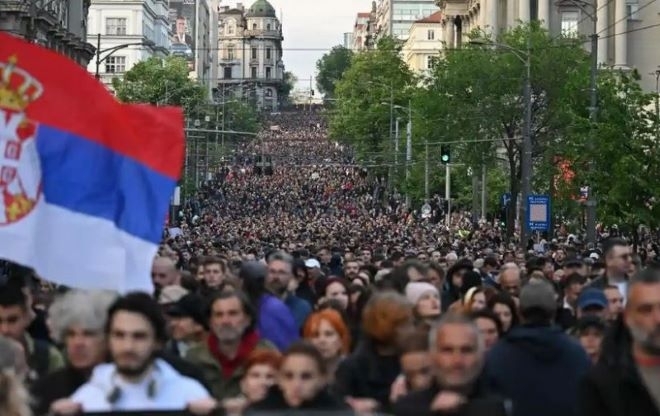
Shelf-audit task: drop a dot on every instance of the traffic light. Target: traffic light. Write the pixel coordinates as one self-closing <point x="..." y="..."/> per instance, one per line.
<point x="445" y="154"/>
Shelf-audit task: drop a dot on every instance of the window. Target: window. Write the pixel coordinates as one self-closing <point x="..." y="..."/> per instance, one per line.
<point x="430" y="34"/>
<point x="569" y="24"/>
<point x="268" y="52"/>
<point x="254" y="26"/>
<point x="632" y="9"/>
<point x="230" y="52"/>
<point x="227" y="72"/>
<point x="230" y="29"/>
<point x="268" y="72"/>
<point x="268" y="26"/>
<point x="115" y="26"/>
<point x="430" y="61"/>
<point x="254" y="53"/>
<point x="253" y="71"/>
<point x="115" y="64"/>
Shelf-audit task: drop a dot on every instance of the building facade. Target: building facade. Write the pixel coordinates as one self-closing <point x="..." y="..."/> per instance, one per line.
<point x="361" y="31"/>
<point x="250" y="53"/>
<point x="395" y="17"/>
<point x="424" y="43"/>
<point x="60" y="25"/>
<point x="348" y="40"/>
<point x="142" y="23"/>
<point x="629" y="32"/>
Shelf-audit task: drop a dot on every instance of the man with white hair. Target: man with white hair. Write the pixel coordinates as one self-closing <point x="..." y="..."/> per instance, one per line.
<point x="77" y="321"/>
<point x="451" y="258"/>
<point x="457" y="351"/>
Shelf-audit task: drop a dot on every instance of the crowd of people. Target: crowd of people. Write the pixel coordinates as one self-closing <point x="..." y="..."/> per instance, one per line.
<point x="310" y="290"/>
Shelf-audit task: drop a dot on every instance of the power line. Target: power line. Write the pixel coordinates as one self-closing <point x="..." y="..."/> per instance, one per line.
<point x="627" y="16"/>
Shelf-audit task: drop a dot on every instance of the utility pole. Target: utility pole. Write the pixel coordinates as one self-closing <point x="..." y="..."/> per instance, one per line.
<point x="396" y="147"/>
<point x="526" y="162"/>
<point x="392" y="137"/>
<point x="593" y="112"/>
<point x="448" y="192"/>
<point x="426" y="170"/>
<point x="408" y="149"/>
<point x="657" y="103"/>
<point x="483" y="191"/>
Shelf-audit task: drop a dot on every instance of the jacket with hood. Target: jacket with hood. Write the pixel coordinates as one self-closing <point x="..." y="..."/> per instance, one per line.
<point x="450" y="292"/>
<point x="614" y="387"/>
<point x="164" y="389"/>
<point x="538" y="368"/>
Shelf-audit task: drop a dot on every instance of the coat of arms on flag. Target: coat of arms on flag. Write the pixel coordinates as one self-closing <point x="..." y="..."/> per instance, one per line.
<point x="20" y="176"/>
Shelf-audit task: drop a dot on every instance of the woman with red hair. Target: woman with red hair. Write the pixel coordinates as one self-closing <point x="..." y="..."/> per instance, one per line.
<point x="327" y="331"/>
<point x="261" y="369"/>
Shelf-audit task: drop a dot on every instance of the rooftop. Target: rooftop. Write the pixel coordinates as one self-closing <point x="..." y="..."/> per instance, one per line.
<point x="434" y="18"/>
<point x="261" y="8"/>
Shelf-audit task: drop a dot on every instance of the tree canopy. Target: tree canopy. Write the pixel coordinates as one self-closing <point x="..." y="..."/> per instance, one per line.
<point x="331" y="68"/>
<point x="161" y="81"/>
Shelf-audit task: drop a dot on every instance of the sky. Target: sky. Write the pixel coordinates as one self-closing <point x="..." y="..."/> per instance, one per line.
<point x="311" y="28"/>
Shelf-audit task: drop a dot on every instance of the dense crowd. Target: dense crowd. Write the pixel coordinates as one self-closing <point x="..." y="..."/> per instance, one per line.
<point x="312" y="290"/>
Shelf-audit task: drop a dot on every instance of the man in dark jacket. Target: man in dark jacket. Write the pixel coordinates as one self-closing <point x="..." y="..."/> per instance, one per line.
<point x="616" y="253"/>
<point x="537" y="365"/>
<point x="626" y="381"/>
<point x="458" y="355"/>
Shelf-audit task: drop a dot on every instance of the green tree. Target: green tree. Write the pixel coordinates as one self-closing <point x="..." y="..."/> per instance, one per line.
<point x="617" y="156"/>
<point x="331" y="68"/>
<point x="287" y="86"/>
<point x="162" y="81"/>
<point x="476" y="94"/>
<point x="362" y="114"/>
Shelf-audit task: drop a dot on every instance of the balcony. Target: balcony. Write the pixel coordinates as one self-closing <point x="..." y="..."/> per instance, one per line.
<point x="273" y="34"/>
<point x="228" y="61"/>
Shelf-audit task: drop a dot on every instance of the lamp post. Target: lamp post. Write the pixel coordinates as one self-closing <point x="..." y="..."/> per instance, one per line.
<point x="110" y="51"/>
<point x="657" y="103"/>
<point x="408" y="143"/>
<point x="526" y="160"/>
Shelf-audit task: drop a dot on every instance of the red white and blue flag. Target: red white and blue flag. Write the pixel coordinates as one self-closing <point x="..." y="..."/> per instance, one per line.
<point x="85" y="181"/>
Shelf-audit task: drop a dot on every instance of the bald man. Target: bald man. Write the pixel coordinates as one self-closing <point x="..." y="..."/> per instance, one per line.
<point x="164" y="272"/>
<point x="509" y="279"/>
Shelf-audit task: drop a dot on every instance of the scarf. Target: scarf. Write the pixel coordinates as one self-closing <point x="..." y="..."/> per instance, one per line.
<point x="230" y="365"/>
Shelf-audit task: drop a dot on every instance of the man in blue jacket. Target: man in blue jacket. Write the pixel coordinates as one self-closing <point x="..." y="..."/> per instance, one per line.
<point x="537" y="366"/>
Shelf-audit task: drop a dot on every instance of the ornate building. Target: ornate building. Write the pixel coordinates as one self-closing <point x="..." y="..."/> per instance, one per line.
<point x="60" y="25"/>
<point x="250" y="62"/>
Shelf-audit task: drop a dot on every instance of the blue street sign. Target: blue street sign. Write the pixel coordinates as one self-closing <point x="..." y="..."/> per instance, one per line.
<point x="506" y="198"/>
<point x="538" y="213"/>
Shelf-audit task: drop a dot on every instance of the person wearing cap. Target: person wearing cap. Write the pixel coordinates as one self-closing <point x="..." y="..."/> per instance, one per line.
<point x="537" y="365"/>
<point x="592" y="302"/>
<point x="590" y="331"/>
<point x="574" y="264"/>
<point x="187" y="324"/>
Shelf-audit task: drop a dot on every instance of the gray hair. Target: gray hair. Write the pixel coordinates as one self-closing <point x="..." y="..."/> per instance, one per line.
<point x="281" y="256"/>
<point x="455" y="319"/>
<point x="88" y="309"/>
<point x="648" y="276"/>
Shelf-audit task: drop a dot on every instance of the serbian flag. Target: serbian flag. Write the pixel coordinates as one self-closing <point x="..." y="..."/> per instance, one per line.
<point x="85" y="180"/>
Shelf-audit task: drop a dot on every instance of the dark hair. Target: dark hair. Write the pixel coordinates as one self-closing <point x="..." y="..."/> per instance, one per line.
<point x="309" y="350"/>
<point x="246" y="305"/>
<point x="505" y="299"/>
<point x="143" y="304"/>
<point x="573" y="279"/>
<point x="12" y="296"/>
<point x="488" y="314"/>
<point x="610" y="243"/>
<point x="416" y="340"/>
<point x="436" y="267"/>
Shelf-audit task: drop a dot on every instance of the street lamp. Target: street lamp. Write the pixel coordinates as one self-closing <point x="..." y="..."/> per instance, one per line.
<point x="110" y="51"/>
<point x="526" y="161"/>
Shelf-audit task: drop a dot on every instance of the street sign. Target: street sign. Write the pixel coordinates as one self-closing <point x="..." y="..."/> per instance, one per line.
<point x="506" y="199"/>
<point x="538" y="213"/>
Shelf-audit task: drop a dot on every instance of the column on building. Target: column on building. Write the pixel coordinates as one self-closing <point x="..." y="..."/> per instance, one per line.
<point x="544" y="13"/>
<point x="602" y="30"/>
<point x="523" y="10"/>
<point x="621" y="38"/>
<point x="510" y="13"/>
<point x="449" y="32"/>
<point x="492" y="22"/>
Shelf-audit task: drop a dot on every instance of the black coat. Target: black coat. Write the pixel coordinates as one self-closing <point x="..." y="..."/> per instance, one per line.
<point x="57" y="385"/>
<point x="366" y="375"/>
<point x="614" y="387"/>
<point x="275" y="405"/>
<point x="538" y="368"/>
<point x="479" y="403"/>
